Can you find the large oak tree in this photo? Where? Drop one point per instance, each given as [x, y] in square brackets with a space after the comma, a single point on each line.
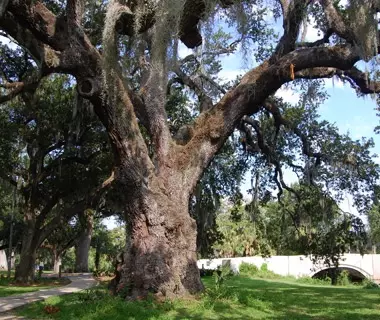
[126, 73]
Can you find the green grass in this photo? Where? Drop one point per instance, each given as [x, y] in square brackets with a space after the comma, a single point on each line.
[8, 288]
[4, 273]
[239, 298]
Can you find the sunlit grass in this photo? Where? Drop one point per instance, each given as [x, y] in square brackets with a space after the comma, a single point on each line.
[239, 298]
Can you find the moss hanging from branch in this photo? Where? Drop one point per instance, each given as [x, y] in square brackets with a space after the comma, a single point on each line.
[110, 47]
[362, 17]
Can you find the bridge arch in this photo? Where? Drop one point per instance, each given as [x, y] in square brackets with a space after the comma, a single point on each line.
[354, 271]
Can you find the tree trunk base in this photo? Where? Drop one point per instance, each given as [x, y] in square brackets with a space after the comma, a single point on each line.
[161, 260]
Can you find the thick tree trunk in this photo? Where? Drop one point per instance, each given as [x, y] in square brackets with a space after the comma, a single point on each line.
[160, 255]
[334, 276]
[82, 249]
[25, 269]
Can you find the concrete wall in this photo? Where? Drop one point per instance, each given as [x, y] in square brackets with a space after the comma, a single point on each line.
[298, 266]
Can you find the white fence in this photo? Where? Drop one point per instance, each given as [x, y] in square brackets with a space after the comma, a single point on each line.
[298, 266]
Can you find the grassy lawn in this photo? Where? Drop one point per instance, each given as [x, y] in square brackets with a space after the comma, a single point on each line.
[8, 288]
[240, 298]
[4, 273]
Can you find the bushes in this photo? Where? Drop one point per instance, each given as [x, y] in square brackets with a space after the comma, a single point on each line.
[369, 284]
[206, 272]
[251, 270]
[343, 278]
[314, 281]
[248, 269]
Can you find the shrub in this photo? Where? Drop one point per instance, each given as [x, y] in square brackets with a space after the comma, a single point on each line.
[314, 281]
[251, 270]
[222, 274]
[264, 267]
[343, 278]
[369, 284]
[206, 272]
[248, 269]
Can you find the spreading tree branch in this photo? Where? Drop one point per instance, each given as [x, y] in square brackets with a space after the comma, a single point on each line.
[336, 22]
[16, 88]
[91, 201]
[195, 85]
[292, 20]
[75, 12]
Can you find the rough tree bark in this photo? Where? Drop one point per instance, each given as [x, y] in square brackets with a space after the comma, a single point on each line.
[161, 245]
[82, 248]
[30, 243]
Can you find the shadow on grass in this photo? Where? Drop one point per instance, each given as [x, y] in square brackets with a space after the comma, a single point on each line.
[244, 298]
[293, 301]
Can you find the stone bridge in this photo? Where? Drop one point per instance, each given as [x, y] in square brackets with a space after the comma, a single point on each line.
[367, 266]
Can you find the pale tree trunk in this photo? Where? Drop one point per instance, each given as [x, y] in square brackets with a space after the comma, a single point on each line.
[82, 248]
[57, 261]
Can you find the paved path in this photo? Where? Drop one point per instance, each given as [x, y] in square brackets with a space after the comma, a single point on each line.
[78, 283]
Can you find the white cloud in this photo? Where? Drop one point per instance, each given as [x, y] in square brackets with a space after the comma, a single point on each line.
[288, 95]
[228, 75]
[334, 83]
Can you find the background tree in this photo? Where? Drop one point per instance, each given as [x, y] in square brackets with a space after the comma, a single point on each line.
[60, 240]
[82, 246]
[56, 140]
[155, 178]
[107, 246]
[241, 235]
[312, 224]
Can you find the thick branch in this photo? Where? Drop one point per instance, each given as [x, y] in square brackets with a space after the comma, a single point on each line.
[75, 11]
[90, 202]
[361, 79]
[41, 22]
[59, 162]
[293, 18]
[284, 7]
[17, 88]
[22, 36]
[204, 100]
[215, 125]
[336, 22]
[358, 80]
